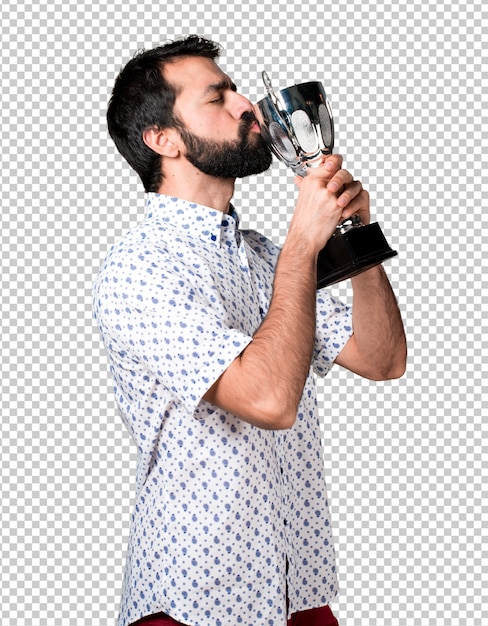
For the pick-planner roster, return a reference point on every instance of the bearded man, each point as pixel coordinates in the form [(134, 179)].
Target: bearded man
[(213, 336)]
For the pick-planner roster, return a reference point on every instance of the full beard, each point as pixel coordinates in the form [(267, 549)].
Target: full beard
[(246, 156)]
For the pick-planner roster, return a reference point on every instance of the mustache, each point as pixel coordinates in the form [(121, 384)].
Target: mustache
[(247, 120)]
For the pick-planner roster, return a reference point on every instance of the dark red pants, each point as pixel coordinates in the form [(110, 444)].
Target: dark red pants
[(313, 617)]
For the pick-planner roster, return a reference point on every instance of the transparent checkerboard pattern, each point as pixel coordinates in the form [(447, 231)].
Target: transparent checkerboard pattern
[(405, 464)]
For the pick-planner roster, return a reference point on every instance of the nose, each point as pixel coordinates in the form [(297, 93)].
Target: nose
[(240, 104)]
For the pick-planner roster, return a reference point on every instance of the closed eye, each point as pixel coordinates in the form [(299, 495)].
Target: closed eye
[(219, 88)]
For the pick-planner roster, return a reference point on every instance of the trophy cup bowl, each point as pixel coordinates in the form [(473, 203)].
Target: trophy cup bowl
[(297, 124)]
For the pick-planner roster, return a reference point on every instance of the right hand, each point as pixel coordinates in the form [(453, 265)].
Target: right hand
[(317, 211)]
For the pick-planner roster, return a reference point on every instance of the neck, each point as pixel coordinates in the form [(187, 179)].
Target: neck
[(195, 186)]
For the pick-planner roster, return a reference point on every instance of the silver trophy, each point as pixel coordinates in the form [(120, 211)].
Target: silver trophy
[(297, 124)]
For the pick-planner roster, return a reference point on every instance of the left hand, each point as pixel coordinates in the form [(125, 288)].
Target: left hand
[(351, 196)]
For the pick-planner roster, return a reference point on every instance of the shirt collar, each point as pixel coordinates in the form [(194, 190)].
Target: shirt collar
[(211, 225)]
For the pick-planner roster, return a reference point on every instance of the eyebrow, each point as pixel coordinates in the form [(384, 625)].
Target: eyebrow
[(225, 83)]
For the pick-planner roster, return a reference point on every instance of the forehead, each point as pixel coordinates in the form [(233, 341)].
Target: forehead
[(196, 75)]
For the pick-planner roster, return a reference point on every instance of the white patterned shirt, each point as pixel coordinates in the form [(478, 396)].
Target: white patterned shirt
[(229, 518)]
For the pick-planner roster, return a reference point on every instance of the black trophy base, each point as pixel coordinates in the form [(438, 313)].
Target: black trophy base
[(350, 253)]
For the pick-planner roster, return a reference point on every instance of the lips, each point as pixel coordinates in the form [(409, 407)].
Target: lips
[(249, 122)]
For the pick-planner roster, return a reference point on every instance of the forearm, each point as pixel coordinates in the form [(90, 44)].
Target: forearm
[(378, 328), (264, 385), (281, 351)]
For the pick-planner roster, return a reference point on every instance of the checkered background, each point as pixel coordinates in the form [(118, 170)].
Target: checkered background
[(405, 463)]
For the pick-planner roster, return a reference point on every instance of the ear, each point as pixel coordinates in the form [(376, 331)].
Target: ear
[(164, 142)]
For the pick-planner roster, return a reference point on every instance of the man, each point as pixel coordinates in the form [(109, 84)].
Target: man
[(212, 336)]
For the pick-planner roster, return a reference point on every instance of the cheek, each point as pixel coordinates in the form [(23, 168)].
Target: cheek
[(214, 126)]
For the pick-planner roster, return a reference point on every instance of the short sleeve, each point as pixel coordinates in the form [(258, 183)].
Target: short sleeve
[(334, 328), (157, 315)]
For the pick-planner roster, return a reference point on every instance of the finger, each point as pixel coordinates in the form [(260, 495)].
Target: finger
[(333, 163), (341, 179), (350, 192), (326, 167), (359, 205)]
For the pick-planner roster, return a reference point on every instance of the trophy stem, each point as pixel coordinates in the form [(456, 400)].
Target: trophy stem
[(351, 222)]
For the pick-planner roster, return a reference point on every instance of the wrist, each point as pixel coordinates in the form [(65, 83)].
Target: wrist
[(370, 277), (299, 251), (308, 240)]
